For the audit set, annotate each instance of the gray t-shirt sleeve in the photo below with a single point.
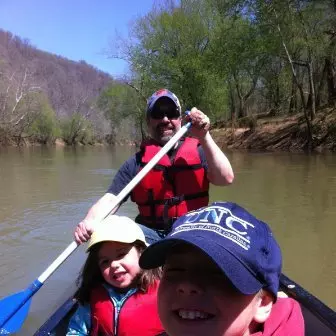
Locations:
(124, 175)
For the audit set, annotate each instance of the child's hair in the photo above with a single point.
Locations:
(91, 276)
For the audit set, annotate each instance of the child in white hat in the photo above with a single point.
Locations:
(116, 297)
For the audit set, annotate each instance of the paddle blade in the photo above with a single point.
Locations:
(13, 312)
(14, 308)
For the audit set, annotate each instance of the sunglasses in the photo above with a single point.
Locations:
(159, 112)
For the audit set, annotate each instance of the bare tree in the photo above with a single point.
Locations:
(298, 84)
(18, 107)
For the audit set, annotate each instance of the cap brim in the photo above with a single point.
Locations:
(236, 271)
(151, 106)
(119, 240)
(155, 255)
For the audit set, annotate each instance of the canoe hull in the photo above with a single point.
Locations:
(319, 318)
(57, 324)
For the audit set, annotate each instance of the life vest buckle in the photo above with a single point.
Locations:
(175, 200)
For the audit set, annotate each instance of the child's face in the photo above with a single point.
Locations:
(196, 298)
(119, 263)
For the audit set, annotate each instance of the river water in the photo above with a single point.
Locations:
(46, 192)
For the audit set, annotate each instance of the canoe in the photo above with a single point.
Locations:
(319, 318)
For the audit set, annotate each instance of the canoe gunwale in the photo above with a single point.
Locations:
(320, 310)
(317, 308)
(57, 317)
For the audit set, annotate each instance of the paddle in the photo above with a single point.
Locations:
(14, 308)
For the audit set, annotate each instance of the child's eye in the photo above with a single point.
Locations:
(103, 262)
(121, 255)
(173, 270)
(173, 274)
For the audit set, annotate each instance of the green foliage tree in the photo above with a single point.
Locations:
(170, 50)
(124, 103)
(45, 128)
(300, 31)
(76, 129)
(238, 54)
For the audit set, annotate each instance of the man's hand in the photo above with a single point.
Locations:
(83, 232)
(200, 123)
(103, 206)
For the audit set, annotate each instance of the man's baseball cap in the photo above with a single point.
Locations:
(241, 245)
(159, 94)
(117, 229)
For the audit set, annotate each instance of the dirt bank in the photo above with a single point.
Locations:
(280, 134)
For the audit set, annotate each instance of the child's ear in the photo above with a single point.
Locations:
(264, 309)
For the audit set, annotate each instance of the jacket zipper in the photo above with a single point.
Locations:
(117, 309)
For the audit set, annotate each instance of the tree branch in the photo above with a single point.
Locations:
(137, 90)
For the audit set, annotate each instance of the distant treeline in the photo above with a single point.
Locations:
(45, 96)
(237, 60)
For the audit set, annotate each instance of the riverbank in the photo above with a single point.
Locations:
(286, 134)
(59, 142)
(263, 134)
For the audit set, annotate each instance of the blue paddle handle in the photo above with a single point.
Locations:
(35, 286)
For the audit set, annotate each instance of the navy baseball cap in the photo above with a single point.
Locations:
(242, 246)
(159, 94)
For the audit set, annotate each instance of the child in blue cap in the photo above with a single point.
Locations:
(221, 270)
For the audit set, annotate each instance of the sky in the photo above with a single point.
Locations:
(75, 29)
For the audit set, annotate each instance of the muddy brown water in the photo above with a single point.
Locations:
(45, 193)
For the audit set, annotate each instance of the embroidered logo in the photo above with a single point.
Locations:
(219, 220)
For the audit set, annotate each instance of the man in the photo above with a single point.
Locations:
(179, 182)
(221, 270)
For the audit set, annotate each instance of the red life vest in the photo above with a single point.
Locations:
(173, 187)
(138, 315)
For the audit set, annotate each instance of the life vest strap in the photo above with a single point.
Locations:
(174, 168)
(165, 222)
(176, 199)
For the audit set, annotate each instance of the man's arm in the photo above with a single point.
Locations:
(99, 210)
(219, 168)
(95, 214)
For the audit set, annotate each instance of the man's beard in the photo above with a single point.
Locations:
(161, 137)
(165, 139)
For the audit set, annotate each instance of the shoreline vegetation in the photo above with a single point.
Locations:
(279, 134)
(264, 73)
(265, 134)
